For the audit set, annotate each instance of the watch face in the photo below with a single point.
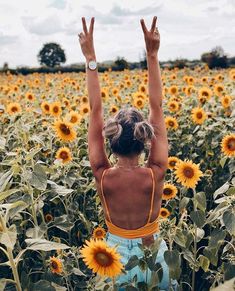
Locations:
(92, 65)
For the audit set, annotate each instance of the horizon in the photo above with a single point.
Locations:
(187, 29)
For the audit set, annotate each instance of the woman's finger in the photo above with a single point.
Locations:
(92, 25)
(143, 25)
(84, 25)
(154, 23)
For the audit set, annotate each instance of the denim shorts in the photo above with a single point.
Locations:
(129, 247)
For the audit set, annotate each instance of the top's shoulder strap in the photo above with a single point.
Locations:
(152, 195)
(102, 193)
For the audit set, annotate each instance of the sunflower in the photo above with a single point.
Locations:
(65, 130)
(30, 96)
(104, 94)
(115, 91)
(171, 123)
(173, 90)
(56, 265)
(188, 173)
(228, 145)
(13, 108)
(204, 79)
(84, 109)
(138, 103)
(169, 191)
(102, 259)
(45, 107)
(226, 101)
(64, 154)
(198, 115)
(74, 117)
(205, 92)
(164, 213)
(66, 102)
(113, 109)
(172, 161)
(55, 109)
(142, 88)
(99, 232)
(219, 89)
(173, 106)
(84, 99)
(232, 74)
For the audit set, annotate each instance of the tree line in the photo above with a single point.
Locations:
(52, 56)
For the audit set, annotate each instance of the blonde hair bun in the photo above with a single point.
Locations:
(112, 130)
(143, 131)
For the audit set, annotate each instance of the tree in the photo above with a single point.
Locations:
(121, 64)
(51, 55)
(216, 58)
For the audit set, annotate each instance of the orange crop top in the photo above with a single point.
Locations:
(148, 229)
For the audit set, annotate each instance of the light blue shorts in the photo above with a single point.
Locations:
(129, 247)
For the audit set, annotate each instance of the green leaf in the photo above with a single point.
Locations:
(231, 191)
(172, 258)
(229, 270)
(5, 194)
(229, 221)
(59, 189)
(179, 238)
(221, 190)
(200, 199)
(204, 263)
(198, 217)
(15, 208)
(200, 234)
(211, 254)
(63, 223)
(223, 161)
(78, 272)
(38, 178)
(2, 142)
(132, 262)
(183, 203)
(43, 285)
(44, 245)
(188, 255)
(9, 238)
(4, 179)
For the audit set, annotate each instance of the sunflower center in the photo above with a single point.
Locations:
(99, 232)
(103, 94)
(46, 107)
(139, 103)
(220, 89)
(14, 109)
(54, 265)
(167, 191)
(172, 163)
(73, 119)
(64, 129)
(103, 259)
(64, 155)
(205, 94)
(171, 123)
(164, 213)
(114, 109)
(55, 109)
(199, 115)
(172, 105)
(231, 144)
(188, 172)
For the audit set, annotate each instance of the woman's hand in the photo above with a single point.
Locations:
(86, 40)
(152, 37)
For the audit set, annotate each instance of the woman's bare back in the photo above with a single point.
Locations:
(128, 196)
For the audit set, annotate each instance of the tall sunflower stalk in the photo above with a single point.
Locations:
(10, 256)
(194, 245)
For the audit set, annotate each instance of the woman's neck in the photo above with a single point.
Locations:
(128, 162)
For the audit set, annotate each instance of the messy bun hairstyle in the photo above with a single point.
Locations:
(128, 132)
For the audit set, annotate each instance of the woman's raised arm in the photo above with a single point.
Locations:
(158, 155)
(96, 148)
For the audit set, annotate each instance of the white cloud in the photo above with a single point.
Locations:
(188, 28)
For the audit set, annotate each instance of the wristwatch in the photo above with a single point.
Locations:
(92, 65)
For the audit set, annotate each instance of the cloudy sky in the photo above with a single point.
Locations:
(187, 27)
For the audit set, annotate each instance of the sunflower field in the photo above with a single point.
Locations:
(51, 221)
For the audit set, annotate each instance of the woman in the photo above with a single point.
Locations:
(130, 194)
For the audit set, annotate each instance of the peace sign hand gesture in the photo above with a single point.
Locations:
(86, 40)
(152, 37)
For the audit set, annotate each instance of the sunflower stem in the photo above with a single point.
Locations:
(11, 258)
(194, 246)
